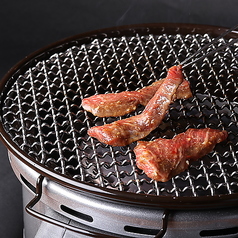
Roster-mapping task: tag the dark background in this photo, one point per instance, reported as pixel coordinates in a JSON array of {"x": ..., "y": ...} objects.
[{"x": 28, "y": 25}]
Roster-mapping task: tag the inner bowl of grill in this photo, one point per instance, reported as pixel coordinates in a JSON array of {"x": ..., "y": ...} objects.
[{"x": 45, "y": 126}]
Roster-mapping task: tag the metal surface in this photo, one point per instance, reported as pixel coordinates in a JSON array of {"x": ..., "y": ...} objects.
[
  {"x": 88, "y": 211},
  {"x": 44, "y": 124},
  {"x": 198, "y": 56},
  {"x": 120, "y": 220}
]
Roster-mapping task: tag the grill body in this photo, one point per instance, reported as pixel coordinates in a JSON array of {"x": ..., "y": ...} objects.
[
  {"x": 45, "y": 130},
  {"x": 100, "y": 218}
]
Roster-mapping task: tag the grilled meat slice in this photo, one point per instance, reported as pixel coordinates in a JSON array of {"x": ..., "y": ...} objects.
[
  {"x": 119, "y": 104},
  {"x": 162, "y": 159},
  {"x": 126, "y": 131}
]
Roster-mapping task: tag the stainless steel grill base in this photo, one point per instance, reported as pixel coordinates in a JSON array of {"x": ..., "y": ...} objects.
[
  {"x": 181, "y": 224},
  {"x": 35, "y": 228}
]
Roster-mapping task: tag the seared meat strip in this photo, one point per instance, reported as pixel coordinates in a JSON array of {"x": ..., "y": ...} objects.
[
  {"x": 162, "y": 159},
  {"x": 119, "y": 104},
  {"x": 126, "y": 131}
]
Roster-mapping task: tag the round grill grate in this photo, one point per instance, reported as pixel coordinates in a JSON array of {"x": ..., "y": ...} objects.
[{"x": 42, "y": 113}]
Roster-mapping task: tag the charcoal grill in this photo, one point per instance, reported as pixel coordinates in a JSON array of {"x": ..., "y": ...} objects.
[{"x": 89, "y": 189}]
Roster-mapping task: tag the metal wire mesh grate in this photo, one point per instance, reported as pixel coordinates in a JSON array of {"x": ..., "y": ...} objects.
[{"x": 42, "y": 111}]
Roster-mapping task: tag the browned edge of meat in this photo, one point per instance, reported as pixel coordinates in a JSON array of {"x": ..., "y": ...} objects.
[
  {"x": 120, "y": 104},
  {"x": 126, "y": 131}
]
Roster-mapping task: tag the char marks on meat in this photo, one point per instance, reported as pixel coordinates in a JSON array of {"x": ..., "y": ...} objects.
[
  {"x": 126, "y": 131},
  {"x": 162, "y": 159},
  {"x": 119, "y": 104}
]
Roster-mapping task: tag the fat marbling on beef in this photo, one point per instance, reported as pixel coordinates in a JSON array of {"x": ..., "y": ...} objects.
[
  {"x": 126, "y": 131},
  {"x": 162, "y": 159},
  {"x": 120, "y": 104}
]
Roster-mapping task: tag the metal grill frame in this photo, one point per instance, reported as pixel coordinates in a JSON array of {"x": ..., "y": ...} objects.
[{"x": 113, "y": 195}]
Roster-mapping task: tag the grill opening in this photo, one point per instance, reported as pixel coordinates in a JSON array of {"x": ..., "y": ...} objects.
[
  {"x": 77, "y": 214},
  {"x": 28, "y": 184},
  {"x": 41, "y": 109},
  {"x": 219, "y": 232},
  {"x": 141, "y": 230}
]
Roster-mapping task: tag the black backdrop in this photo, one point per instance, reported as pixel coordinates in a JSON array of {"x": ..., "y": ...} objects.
[{"x": 27, "y": 25}]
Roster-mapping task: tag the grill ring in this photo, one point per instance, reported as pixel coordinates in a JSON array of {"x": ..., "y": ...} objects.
[{"x": 57, "y": 77}]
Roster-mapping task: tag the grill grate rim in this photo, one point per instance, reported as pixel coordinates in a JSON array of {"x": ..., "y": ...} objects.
[{"x": 43, "y": 116}]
